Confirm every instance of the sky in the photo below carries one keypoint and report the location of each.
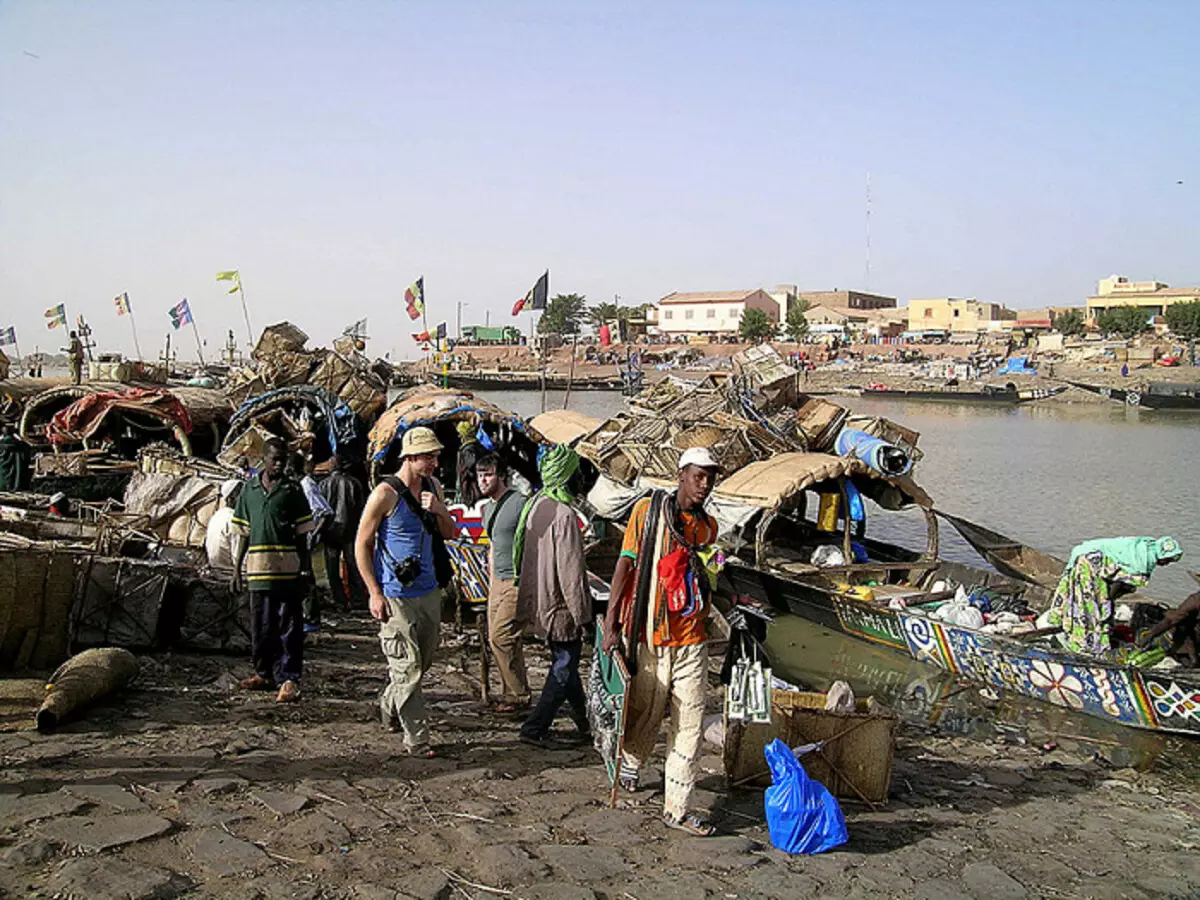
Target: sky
(1015, 152)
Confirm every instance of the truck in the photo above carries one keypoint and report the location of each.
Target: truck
(490, 334)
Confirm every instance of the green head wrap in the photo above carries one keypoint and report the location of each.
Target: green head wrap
(556, 467)
(1135, 555)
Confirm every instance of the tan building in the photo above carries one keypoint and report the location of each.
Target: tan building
(711, 312)
(1152, 296)
(953, 314)
(855, 300)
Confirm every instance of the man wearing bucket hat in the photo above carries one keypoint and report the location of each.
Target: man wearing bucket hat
(657, 615)
(400, 553)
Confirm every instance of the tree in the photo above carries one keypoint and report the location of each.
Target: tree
(1184, 321)
(796, 325)
(602, 314)
(562, 314)
(756, 326)
(1071, 323)
(1127, 321)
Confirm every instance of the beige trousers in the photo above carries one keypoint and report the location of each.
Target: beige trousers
(670, 679)
(409, 639)
(504, 637)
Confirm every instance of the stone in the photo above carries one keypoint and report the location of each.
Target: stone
(373, 892)
(726, 852)
(107, 878)
(939, 889)
(356, 817)
(612, 827)
(584, 863)
(551, 890)
(103, 832)
(107, 795)
(503, 865)
(212, 786)
(281, 803)
(221, 853)
(988, 882)
(314, 833)
(17, 811)
(33, 852)
(427, 883)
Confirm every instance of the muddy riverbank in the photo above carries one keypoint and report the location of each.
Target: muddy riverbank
(184, 786)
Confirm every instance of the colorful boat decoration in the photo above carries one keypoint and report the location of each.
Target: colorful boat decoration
(769, 538)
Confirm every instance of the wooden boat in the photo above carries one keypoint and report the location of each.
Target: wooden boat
(523, 381)
(1156, 395)
(992, 396)
(1008, 556)
(769, 533)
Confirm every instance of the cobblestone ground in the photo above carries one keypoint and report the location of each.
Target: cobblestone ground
(183, 787)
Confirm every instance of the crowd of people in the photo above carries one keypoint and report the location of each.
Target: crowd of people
(387, 550)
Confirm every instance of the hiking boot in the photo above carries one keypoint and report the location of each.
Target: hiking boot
(288, 693)
(256, 683)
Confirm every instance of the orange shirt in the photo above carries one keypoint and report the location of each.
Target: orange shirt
(699, 529)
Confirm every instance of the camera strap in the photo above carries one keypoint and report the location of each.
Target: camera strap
(442, 565)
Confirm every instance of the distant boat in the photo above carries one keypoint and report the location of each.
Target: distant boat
(523, 381)
(1157, 395)
(997, 396)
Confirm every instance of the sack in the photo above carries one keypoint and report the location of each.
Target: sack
(803, 817)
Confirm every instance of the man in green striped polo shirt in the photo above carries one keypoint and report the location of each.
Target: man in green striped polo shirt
(271, 524)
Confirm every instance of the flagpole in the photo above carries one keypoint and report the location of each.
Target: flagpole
(133, 327)
(245, 312)
(196, 331)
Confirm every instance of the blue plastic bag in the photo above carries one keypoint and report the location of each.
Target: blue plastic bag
(803, 817)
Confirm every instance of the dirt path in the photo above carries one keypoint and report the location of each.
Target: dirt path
(185, 787)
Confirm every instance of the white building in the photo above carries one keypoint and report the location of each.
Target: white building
(708, 312)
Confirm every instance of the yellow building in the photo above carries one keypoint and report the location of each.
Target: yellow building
(1152, 296)
(953, 314)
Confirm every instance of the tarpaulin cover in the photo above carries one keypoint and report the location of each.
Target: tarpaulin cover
(82, 418)
(883, 457)
(340, 421)
(1016, 365)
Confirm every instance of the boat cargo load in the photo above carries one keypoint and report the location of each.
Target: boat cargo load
(311, 419)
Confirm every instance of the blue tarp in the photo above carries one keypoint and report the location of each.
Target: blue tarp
(340, 420)
(1016, 365)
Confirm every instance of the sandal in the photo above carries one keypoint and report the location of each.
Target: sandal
(691, 824)
(627, 777)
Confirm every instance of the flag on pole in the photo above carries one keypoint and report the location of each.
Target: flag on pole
(414, 296)
(536, 298)
(57, 315)
(79, 322)
(180, 313)
(441, 332)
(421, 337)
(121, 302)
(8, 335)
(233, 275)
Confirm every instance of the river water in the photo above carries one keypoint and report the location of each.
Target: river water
(1048, 475)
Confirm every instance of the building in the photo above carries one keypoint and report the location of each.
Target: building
(1152, 296)
(711, 312)
(835, 299)
(953, 314)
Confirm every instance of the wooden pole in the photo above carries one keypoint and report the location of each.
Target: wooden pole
(571, 372)
(133, 327)
(245, 312)
(199, 348)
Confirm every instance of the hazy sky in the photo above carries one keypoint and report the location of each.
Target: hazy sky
(1017, 152)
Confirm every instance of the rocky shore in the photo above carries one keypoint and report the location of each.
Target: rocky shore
(184, 786)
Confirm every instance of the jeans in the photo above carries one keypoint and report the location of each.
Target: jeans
(562, 684)
(278, 625)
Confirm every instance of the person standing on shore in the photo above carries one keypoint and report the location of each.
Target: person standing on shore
(501, 513)
(74, 352)
(397, 549)
(347, 496)
(552, 591)
(658, 610)
(273, 521)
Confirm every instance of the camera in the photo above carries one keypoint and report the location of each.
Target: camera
(406, 572)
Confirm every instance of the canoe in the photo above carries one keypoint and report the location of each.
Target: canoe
(523, 381)
(1008, 556)
(998, 396)
(1157, 395)
(768, 529)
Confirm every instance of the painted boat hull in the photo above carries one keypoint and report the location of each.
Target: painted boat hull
(1142, 399)
(1137, 698)
(991, 398)
(530, 382)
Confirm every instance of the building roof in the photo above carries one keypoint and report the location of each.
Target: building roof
(708, 296)
(1117, 296)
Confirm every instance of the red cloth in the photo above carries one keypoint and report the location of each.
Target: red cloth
(80, 420)
(605, 336)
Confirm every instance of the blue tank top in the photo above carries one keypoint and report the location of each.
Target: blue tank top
(403, 535)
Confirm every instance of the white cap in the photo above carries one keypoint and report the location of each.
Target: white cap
(698, 456)
(229, 488)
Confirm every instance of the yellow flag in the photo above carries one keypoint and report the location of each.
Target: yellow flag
(234, 276)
